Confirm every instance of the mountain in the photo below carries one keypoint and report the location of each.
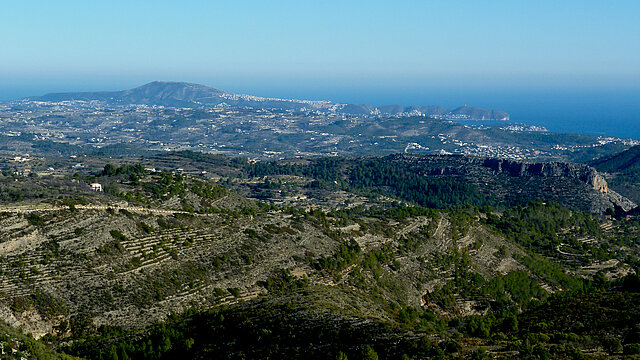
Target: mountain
(181, 94)
(575, 186)
(154, 93)
(473, 113)
(413, 110)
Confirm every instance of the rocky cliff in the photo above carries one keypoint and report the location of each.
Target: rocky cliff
(584, 173)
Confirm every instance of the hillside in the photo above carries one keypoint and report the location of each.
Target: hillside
(623, 171)
(396, 255)
(437, 181)
(627, 160)
(472, 113)
(449, 180)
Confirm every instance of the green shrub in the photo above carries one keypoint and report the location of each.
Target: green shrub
(631, 349)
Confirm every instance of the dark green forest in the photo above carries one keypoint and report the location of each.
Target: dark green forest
(375, 176)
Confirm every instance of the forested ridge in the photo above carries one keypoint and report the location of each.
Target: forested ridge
(379, 176)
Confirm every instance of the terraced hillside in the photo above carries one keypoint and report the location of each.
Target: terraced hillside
(77, 264)
(133, 268)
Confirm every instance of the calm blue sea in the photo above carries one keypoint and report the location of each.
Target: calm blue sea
(602, 112)
(591, 112)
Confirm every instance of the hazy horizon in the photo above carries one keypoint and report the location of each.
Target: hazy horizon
(250, 44)
(602, 110)
(555, 64)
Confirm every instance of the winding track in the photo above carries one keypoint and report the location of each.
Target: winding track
(21, 210)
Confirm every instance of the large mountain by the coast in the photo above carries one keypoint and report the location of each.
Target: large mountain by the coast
(180, 94)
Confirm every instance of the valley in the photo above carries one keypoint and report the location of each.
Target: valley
(319, 180)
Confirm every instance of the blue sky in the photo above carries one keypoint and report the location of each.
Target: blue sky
(315, 48)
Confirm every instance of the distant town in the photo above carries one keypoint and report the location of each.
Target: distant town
(160, 117)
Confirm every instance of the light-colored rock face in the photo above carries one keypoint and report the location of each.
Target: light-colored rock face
(599, 184)
(553, 169)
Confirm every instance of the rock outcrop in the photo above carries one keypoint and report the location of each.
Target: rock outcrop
(584, 173)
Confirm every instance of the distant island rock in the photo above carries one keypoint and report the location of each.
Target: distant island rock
(181, 94)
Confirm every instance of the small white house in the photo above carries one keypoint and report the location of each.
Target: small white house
(96, 187)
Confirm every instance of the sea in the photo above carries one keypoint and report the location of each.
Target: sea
(592, 111)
